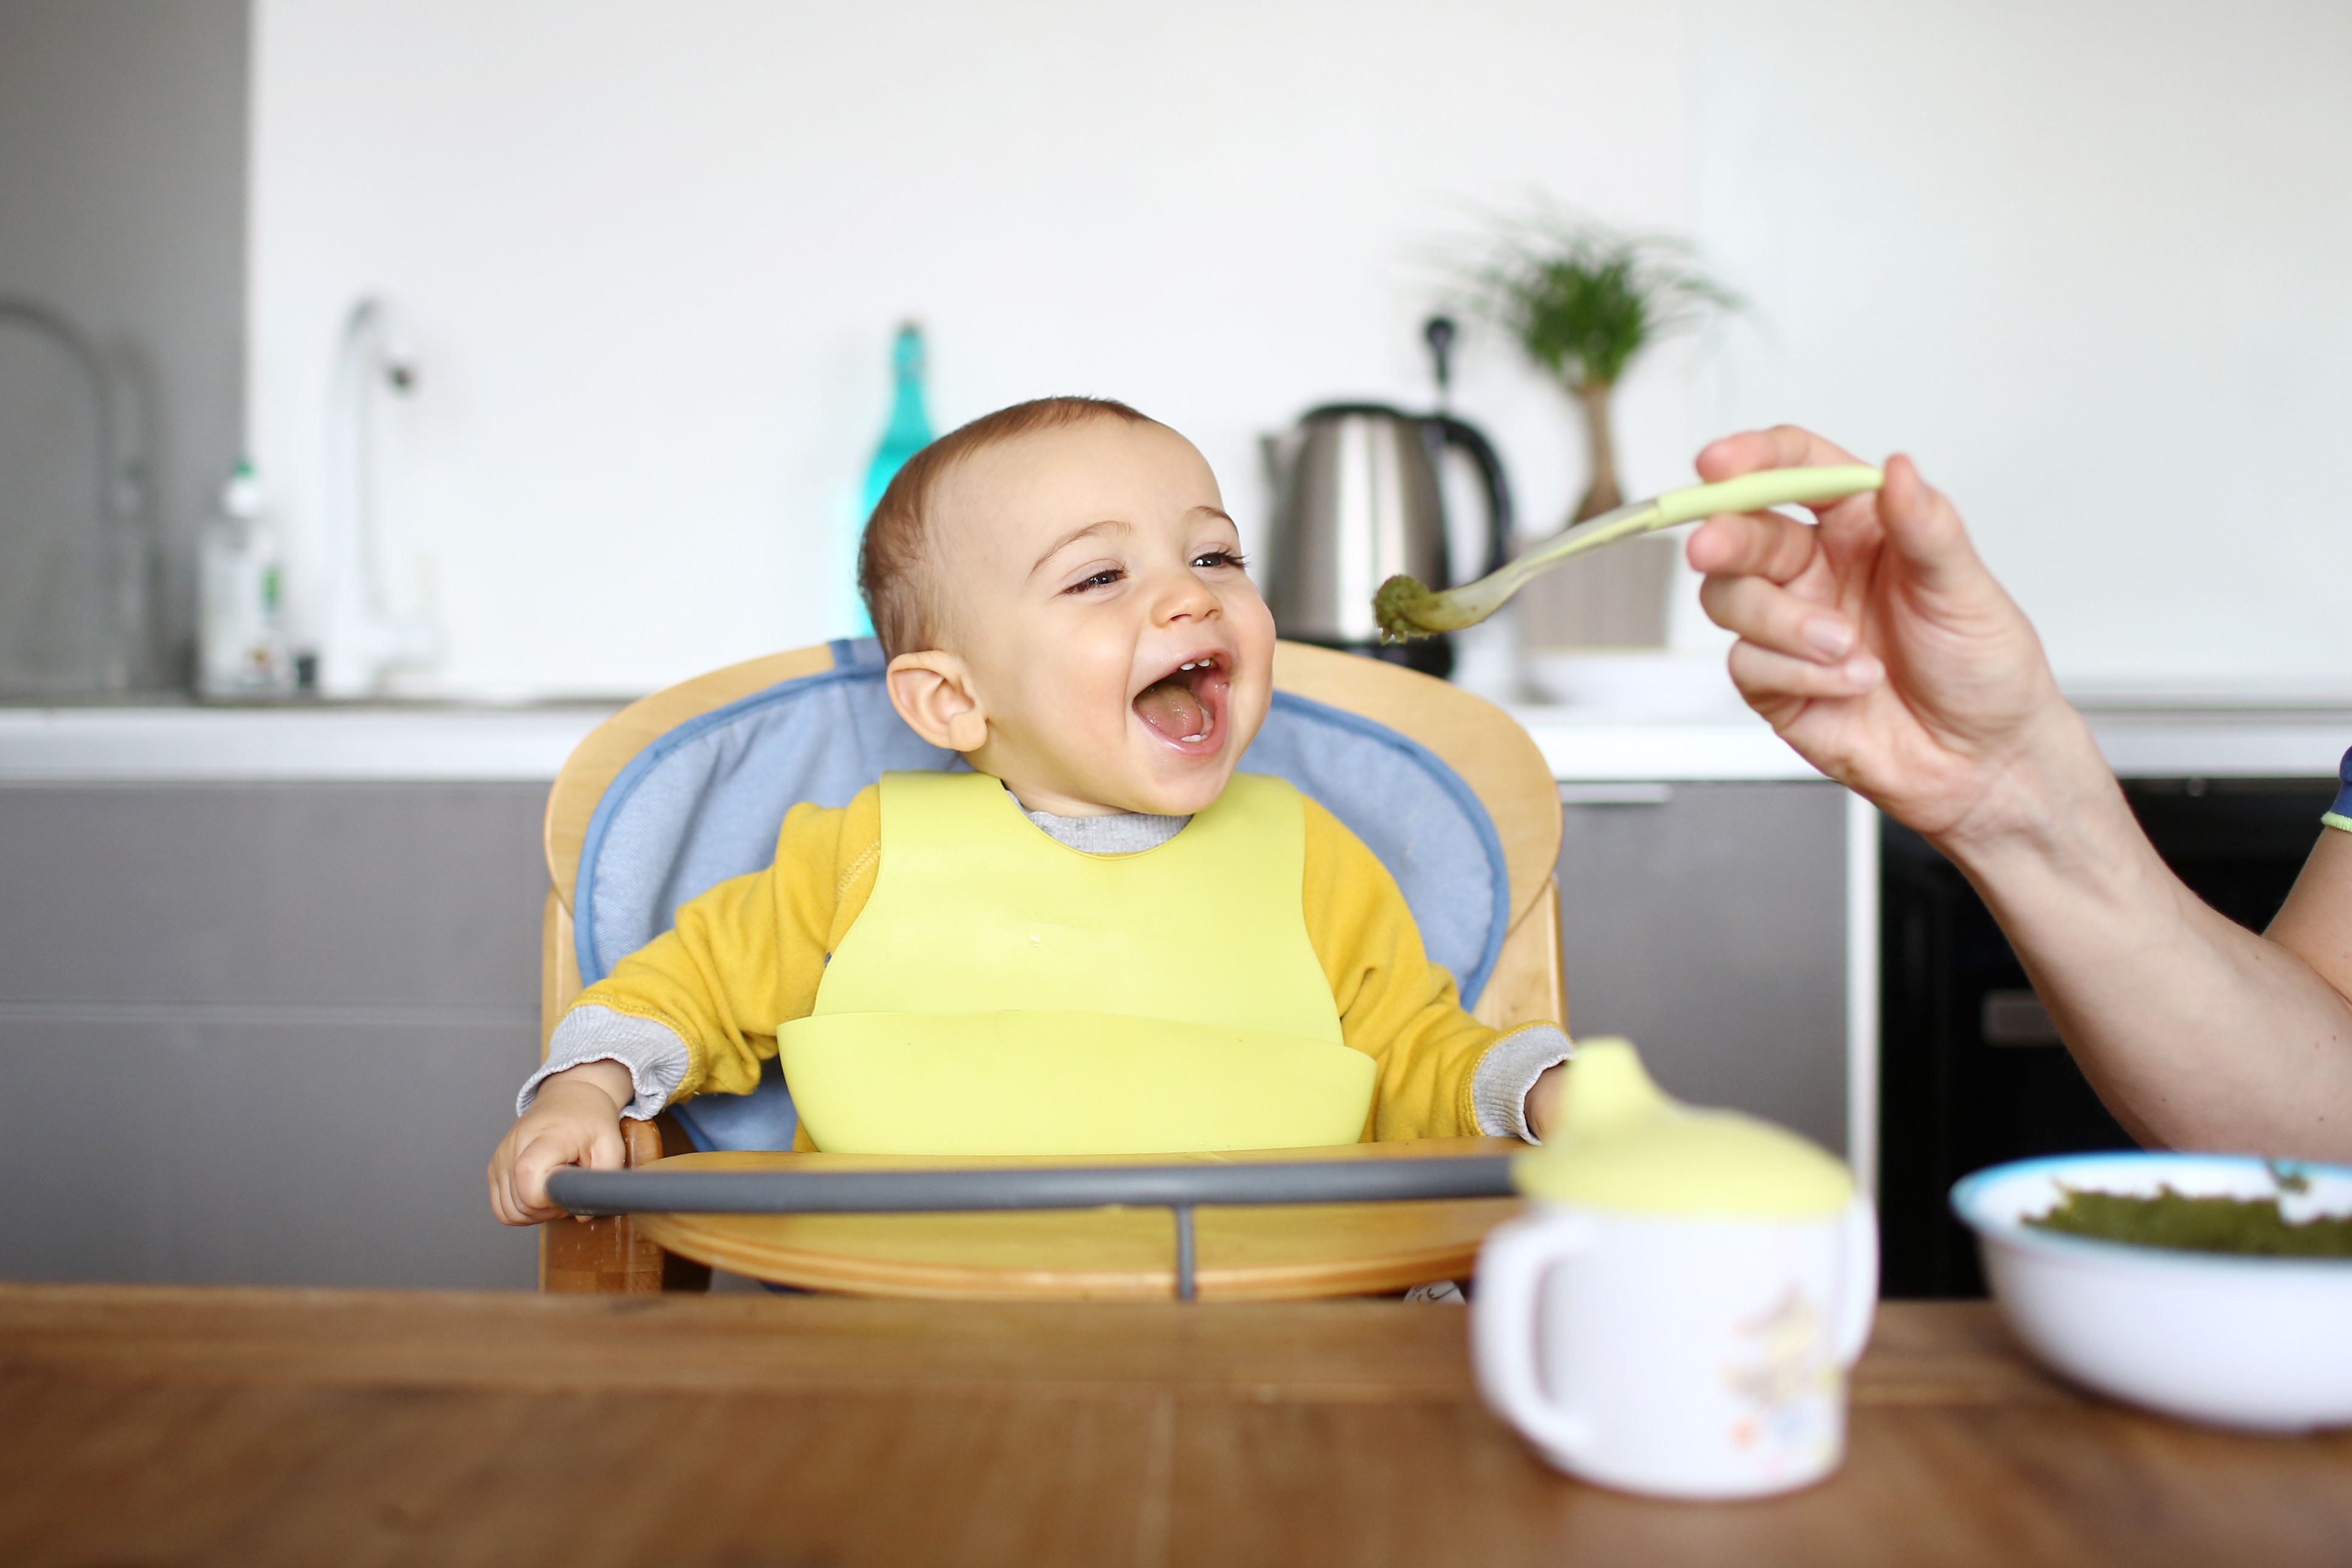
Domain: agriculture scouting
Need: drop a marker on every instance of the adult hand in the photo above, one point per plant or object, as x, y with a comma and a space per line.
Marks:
1880, 647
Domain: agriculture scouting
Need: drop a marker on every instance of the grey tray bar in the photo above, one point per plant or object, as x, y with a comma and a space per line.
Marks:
1030, 1187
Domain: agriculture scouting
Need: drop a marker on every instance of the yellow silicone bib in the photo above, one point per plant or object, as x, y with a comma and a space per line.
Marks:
1001, 994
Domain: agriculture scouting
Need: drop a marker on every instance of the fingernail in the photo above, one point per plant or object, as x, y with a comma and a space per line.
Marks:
1862, 670
1828, 637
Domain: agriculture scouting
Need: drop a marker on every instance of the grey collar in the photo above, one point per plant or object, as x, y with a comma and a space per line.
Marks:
1123, 833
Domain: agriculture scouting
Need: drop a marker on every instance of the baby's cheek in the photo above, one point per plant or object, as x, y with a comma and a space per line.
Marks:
1060, 680
1082, 701
1245, 606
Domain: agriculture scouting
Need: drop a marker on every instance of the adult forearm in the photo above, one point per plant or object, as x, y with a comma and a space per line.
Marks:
2195, 1031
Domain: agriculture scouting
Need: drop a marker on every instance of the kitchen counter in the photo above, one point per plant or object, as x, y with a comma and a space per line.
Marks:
2138, 742
198, 742
396, 742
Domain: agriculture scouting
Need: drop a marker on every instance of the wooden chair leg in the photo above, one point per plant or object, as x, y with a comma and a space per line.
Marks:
677, 1273
608, 1256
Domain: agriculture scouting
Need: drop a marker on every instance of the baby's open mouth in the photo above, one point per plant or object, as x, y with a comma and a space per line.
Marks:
1187, 705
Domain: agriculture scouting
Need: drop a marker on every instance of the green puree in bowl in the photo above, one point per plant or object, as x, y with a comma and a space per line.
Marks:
2197, 1224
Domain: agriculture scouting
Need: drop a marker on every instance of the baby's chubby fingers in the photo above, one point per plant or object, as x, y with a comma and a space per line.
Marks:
504, 1202
526, 1185
1775, 619
607, 1151
537, 1160
596, 1148
501, 1200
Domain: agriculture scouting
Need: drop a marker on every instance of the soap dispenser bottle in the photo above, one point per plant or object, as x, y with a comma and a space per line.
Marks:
240, 625
908, 433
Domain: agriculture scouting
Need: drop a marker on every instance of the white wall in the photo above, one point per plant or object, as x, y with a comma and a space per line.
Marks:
652, 255
2091, 261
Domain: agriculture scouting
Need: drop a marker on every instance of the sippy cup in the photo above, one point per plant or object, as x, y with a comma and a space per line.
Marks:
1676, 1313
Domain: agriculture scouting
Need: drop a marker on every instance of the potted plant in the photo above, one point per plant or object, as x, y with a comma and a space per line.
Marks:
1585, 302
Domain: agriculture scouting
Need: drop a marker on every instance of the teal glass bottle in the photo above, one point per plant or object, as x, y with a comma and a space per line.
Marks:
908, 433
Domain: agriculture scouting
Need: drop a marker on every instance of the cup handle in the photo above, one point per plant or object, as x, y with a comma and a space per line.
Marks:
1860, 1275
1511, 1269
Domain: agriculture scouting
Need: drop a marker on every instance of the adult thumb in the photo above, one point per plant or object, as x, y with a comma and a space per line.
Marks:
1925, 530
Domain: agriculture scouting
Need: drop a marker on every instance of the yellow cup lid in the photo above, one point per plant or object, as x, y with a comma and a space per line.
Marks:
1621, 1143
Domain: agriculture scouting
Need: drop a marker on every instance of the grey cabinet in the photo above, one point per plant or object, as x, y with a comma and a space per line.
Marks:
264, 1033
1707, 923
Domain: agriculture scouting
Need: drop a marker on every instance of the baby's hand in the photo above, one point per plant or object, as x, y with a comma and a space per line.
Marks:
574, 1120
1543, 1100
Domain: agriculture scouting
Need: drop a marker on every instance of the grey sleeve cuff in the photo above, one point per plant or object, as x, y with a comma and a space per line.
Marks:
1508, 1072
654, 1053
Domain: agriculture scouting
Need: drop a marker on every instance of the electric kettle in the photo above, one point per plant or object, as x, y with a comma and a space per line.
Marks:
1357, 500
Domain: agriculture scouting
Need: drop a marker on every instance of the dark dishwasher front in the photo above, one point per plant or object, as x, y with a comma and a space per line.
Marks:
1971, 1073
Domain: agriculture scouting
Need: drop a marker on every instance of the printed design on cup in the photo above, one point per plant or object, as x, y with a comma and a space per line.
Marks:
1789, 1380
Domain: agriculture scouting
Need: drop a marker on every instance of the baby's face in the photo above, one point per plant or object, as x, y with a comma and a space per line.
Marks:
1095, 594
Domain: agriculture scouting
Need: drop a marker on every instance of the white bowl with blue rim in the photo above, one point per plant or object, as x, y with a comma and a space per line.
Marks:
2254, 1341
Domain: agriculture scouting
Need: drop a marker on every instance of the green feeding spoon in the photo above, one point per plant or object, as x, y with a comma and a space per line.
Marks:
1407, 608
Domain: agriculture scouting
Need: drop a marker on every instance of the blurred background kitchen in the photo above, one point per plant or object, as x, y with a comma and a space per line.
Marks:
557, 342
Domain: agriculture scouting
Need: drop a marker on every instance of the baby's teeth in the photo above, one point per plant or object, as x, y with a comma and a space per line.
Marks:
1201, 736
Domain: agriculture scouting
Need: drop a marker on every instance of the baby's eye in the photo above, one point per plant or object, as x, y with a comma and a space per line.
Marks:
1213, 558
1102, 579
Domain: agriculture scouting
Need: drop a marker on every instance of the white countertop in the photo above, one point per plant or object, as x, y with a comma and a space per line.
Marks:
198, 743
2138, 742
192, 743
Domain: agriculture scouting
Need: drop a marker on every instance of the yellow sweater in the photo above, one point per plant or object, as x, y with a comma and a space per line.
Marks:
746, 956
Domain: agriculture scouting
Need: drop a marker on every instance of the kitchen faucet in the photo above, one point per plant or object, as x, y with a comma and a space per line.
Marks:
362, 638
124, 542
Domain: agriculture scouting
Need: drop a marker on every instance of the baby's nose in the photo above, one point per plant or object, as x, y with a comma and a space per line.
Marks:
1186, 597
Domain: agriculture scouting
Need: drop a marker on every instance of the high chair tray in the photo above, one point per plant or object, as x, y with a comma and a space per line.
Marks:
1357, 1219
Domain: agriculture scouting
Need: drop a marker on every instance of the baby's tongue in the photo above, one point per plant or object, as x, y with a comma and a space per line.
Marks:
1170, 707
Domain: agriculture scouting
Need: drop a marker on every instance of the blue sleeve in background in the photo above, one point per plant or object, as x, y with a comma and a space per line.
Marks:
2342, 815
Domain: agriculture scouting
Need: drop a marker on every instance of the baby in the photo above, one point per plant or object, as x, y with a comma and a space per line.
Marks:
1064, 602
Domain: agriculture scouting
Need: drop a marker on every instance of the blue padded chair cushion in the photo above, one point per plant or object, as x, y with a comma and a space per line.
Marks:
705, 801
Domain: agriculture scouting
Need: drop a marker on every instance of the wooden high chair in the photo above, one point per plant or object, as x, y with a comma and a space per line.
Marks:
1484, 745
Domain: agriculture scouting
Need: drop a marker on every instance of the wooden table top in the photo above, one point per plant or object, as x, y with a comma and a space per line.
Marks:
188, 1427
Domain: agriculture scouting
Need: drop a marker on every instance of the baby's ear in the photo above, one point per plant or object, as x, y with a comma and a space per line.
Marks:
934, 694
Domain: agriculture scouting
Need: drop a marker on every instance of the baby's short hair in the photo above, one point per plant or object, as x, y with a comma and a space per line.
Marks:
896, 556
